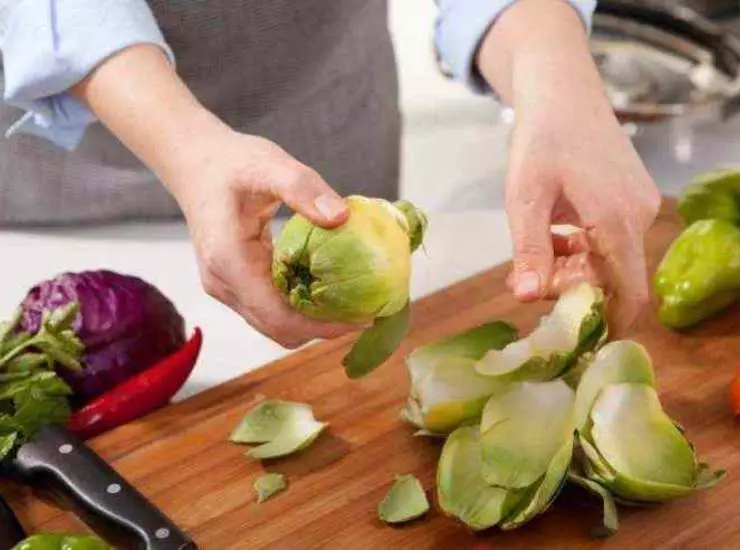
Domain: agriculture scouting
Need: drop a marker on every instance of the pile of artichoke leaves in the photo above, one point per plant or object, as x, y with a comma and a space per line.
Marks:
523, 416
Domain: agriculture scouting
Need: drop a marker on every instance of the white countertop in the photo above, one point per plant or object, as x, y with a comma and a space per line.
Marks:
459, 244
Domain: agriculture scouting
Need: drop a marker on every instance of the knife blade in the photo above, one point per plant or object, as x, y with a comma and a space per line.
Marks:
55, 457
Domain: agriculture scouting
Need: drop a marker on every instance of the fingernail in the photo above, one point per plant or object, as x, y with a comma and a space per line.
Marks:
329, 207
528, 284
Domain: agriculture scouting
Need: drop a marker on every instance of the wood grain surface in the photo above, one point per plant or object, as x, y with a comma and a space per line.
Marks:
180, 458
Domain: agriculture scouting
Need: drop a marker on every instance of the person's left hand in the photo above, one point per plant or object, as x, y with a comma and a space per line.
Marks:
570, 162
586, 175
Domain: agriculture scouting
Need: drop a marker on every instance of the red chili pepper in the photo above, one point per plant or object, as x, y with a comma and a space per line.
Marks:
140, 394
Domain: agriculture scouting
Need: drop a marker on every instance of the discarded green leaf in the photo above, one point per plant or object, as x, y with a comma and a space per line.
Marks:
406, 500
462, 492
268, 485
522, 430
574, 326
284, 427
619, 361
377, 343
446, 390
610, 520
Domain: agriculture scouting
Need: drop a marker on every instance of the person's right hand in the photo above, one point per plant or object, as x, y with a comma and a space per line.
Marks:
229, 193
228, 185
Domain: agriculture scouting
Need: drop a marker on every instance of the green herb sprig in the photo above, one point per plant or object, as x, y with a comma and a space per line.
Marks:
32, 395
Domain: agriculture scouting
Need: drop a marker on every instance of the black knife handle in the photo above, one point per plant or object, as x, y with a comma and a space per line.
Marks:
95, 486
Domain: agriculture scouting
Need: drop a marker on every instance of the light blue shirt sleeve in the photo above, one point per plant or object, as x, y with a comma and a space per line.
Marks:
461, 25
50, 45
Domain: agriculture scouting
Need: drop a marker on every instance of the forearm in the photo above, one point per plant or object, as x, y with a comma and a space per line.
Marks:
537, 56
139, 97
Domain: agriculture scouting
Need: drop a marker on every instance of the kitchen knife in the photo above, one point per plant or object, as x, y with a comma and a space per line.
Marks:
55, 458
11, 530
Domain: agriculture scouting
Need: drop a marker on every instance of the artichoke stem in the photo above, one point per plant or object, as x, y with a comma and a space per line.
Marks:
417, 220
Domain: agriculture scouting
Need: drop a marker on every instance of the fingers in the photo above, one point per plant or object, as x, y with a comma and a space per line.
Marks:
621, 249
237, 272
571, 270
571, 244
572, 264
529, 223
303, 190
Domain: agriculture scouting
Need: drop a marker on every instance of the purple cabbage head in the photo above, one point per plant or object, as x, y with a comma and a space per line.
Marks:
126, 324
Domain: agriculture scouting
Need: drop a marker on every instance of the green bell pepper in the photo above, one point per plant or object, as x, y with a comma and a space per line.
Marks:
712, 195
700, 273
61, 541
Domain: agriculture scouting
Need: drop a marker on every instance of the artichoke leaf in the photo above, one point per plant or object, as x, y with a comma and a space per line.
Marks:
575, 325
462, 492
268, 485
283, 427
706, 478
522, 429
610, 515
406, 500
594, 464
542, 498
446, 390
617, 361
651, 458
377, 343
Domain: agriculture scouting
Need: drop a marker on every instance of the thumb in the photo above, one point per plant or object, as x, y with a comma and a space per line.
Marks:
305, 191
529, 222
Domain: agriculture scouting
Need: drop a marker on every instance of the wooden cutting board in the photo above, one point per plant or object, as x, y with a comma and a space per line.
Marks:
180, 457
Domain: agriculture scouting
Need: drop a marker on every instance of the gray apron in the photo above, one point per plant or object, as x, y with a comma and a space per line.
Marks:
317, 77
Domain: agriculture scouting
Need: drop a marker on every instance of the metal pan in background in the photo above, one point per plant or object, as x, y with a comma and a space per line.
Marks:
661, 60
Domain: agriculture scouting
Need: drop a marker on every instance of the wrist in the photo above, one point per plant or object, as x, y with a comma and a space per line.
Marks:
139, 97
184, 144
537, 57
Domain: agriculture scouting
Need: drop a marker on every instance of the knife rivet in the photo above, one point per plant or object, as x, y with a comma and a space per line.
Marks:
162, 533
66, 449
114, 488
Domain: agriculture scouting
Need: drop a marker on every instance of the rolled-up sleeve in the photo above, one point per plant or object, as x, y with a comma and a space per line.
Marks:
50, 45
461, 25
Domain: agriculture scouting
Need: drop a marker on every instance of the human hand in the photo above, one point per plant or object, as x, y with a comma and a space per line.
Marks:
588, 176
570, 162
229, 193
228, 185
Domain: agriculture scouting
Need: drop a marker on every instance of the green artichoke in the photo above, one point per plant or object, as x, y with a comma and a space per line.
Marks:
446, 391
576, 325
353, 273
356, 273
699, 275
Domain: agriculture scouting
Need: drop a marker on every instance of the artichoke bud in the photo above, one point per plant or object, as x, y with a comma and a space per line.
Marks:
356, 272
